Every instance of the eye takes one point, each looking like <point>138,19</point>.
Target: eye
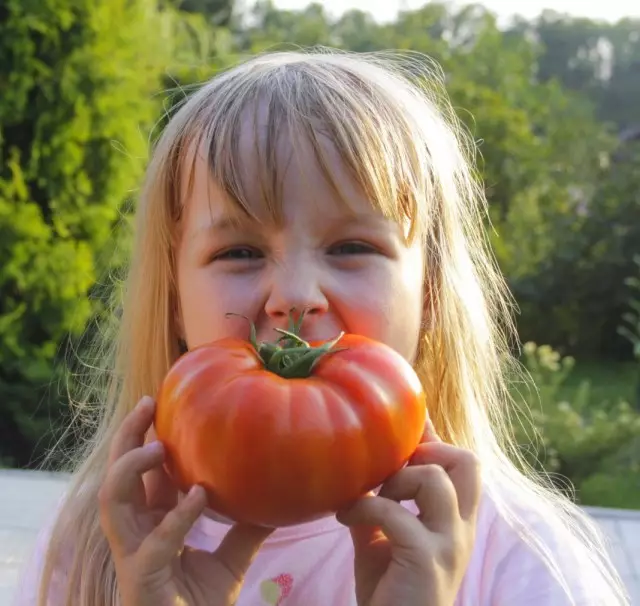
<point>352,248</point>
<point>239,253</point>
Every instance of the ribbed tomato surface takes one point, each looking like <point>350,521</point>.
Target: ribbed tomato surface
<point>279,451</point>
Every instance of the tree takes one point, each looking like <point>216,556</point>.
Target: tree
<point>218,12</point>
<point>273,29</point>
<point>600,60</point>
<point>78,78</point>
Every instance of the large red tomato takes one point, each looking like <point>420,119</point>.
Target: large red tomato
<point>281,434</point>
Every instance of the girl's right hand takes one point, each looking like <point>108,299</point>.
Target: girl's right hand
<point>146,526</point>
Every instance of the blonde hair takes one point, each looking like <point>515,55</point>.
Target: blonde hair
<point>389,119</point>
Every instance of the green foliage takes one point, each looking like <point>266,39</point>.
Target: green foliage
<point>78,79</point>
<point>553,199</point>
<point>579,440</point>
<point>630,327</point>
<point>557,179</point>
<point>272,29</point>
<point>87,83</point>
<point>218,12</point>
<point>597,58</point>
<point>620,490</point>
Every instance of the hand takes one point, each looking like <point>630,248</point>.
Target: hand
<point>145,525</point>
<point>418,560</point>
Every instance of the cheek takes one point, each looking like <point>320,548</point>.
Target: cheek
<point>407,304</point>
<point>205,301</point>
<point>387,306</point>
<point>405,319</point>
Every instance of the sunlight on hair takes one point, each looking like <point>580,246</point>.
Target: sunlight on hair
<point>389,120</point>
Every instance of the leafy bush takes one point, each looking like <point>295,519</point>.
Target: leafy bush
<point>630,327</point>
<point>593,446</point>
<point>78,80</point>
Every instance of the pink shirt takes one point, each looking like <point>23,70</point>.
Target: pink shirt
<point>312,565</point>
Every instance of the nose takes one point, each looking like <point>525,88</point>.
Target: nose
<point>295,288</point>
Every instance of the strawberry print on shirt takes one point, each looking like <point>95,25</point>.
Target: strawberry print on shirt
<point>275,590</point>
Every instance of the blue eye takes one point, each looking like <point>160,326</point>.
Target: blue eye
<point>240,253</point>
<point>352,248</point>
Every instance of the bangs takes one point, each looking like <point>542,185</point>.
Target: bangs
<point>334,114</point>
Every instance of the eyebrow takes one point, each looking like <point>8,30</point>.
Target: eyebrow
<point>225,223</point>
<point>230,223</point>
<point>367,219</point>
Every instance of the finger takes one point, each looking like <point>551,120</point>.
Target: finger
<point>240,546</point>
<point>399,525</point>
<point>366,536</point>
<point>152,435</point>
<point>230,562</point>
<point>122,492</point>
<point>461,465</point>
<point>125,476</point>
<point>362,534</point>
<point>371,549</point>
<point>167,539</point>
<point>430,434</point>
<point>131,433</point>
<point>431,489</point>
<point>160,490</point>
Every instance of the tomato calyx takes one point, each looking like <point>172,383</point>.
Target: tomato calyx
<point>290,356</point>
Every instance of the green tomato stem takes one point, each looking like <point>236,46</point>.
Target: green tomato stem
<point>290,356</point>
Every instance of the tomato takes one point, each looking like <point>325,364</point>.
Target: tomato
<point>285,433</point>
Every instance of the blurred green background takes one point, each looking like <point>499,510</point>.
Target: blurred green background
<point>554,102</point>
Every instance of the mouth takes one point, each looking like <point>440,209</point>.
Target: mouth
<point>290,356</point>
<point>279,335</point>
<point>291,331</point>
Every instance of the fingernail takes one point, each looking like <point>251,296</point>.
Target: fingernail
<point>154,447</point>
<point>145,403</point>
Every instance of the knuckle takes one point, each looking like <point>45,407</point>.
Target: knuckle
<point>471,461</point>
<point>433,474</point>
<point>385,509</point>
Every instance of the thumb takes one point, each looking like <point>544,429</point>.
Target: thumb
<point>364,531</point>
<point>364,537</point>
<point>371,547</point>
<point>161,492</point>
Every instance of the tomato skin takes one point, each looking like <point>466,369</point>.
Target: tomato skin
<point>277,452</point>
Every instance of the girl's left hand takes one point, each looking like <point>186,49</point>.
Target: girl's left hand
<point>401,558</point>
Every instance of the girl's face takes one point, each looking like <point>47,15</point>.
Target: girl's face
<point>350,269</point>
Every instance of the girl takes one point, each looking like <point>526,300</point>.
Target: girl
<point>341,185</point>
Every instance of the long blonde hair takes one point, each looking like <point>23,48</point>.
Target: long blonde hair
<point>394,129</point>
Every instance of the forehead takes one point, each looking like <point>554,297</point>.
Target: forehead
<point>269,175</point>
